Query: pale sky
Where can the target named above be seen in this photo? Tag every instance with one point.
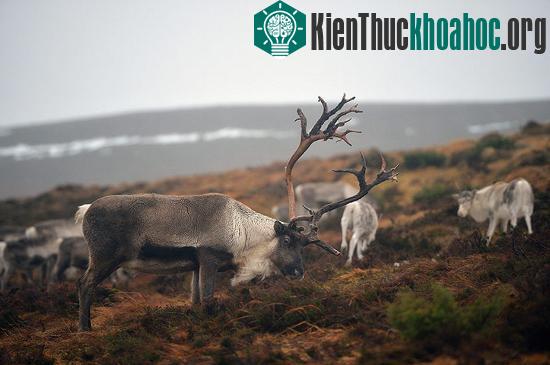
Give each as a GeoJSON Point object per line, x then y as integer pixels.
{"type": "Point", "coordinates": [63, 59]}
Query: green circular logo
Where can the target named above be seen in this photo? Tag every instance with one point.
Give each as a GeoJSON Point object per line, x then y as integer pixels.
{"type": "Point", "coordinates": [279, 29]}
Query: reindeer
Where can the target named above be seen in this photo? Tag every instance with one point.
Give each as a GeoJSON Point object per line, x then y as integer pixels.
{"type": "Point", "coordinates": [206, 233]}
{"type": "Point", "coordinates": [53, 229]}
{"type": "Point", "coordinates": [361, 218]}
{"type": "Point", "coordinates": [72, 260]}
{"type": "Point", "coordinates": [504, 202]}
{"type": "Point", "coordinates": [25, 254]}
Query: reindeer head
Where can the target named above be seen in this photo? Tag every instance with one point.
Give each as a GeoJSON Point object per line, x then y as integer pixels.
{"type": "Point", "coordinates": [295, 236]}
{"type": "Point", "coordinates": [464, 199]}
{"type": "Point", "coordinates": [287, 257]}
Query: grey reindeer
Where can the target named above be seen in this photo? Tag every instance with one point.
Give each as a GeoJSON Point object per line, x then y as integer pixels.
{"type": "Point", "coordinates": [207, 233]}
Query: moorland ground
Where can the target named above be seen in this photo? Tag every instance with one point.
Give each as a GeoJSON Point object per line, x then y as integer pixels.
{"type": "Point", "coordinates": [429, 289]}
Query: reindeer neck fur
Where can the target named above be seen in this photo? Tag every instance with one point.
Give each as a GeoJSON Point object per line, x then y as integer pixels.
{"type": "Point", "coordinates": [479, 210]}
{"type": "Point", "coordinates": [257, 235]}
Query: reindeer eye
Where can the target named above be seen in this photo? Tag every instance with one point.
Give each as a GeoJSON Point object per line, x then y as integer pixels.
{"type": "Point", "coordinates": [286, 240]}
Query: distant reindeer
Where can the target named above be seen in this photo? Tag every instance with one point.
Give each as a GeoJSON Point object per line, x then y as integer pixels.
{"type": "Point", "coordinates": [25, 255]}
{"type": "Point", "coordinates": [37, 248]}
{"type": "Point", "coordinates": [205, 233]}
{"type": "Point", "coordinates": [501, 202]}
{"type": "Point", "coordinates": [54, 228]}
{"type": "Point", "coordinates": [73, 257]}
{"type": "Point", "coordinates": [359, 217]}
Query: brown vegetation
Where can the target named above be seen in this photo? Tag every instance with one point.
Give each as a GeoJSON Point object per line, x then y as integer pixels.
{"type": "Point", "coordinates": [428, 291]}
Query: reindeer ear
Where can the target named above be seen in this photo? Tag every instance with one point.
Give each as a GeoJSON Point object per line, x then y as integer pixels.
{"type": "Point", "coordinates": [456, 196]}
{"type": "Point", "coordinates": [280, 228]}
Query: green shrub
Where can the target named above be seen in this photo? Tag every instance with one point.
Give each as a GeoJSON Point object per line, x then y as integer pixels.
{"type": "Point", "coordinates": [440, 317]}
{"type": "Point", "coordinates": [432, 193]}
{"type": "Point", "coordinates": [474, 157]}
{"type": "Point", "coordinates": [388, 198]}
{"type": "Point", "coordinates": [419, 159]}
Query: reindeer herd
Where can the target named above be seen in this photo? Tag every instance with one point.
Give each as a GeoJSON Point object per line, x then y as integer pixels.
{"type": "Point", "coordinates": [205, 234]}
{"type": "Point", "coordinates": [56, 248]}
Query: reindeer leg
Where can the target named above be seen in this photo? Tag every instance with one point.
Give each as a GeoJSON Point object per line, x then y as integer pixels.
{"type": "Point", "coordinates": [208, 267]}
{"type": "Point", "coordinates": [87, 284]}
{"type": "Point", "coordinates": [195, 289]}
{"type": "Point", "coordinates": [352, 248]}
{"type": "Point", "coordinates": [61, 264]}
{"type": "Point", "coordinates": [344, 227]}
{"type": "Point", "coordinates": [504, 225]}
{"type": "Point", "coordinates": [50, 265]}
{"type": "Point", "coordinates": [492, 226]}
{"type": "Point", "coordinates": [8, 272]}
{"type": "Point", "coordinates": [528, 222]}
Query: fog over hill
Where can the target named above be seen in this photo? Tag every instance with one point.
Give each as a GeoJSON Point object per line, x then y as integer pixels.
{"type": "Point", "coordinates": [152, 145]}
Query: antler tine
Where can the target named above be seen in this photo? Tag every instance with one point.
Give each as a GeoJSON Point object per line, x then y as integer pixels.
{"type": "Point", "coordinates": [309, 210]}
{"type": "Point", "coordinates": [364, 187]}
{"type": "Point", "coordinates": [382, 162]}
{"type": "Point", "coordinates": [334, 125]}
{"type": "Point", "coordinates": [326, 247]}
{"type": "Point", "coordinates": [328, 113]}
{"type": "Point", "coordinates": [306, 139]}
{"type": "Point", "coordinates": [358, 173]}
{"type": "Point", "coordinates": [324, 103]}
{"type": "Point", "coordinates": [303, 123]}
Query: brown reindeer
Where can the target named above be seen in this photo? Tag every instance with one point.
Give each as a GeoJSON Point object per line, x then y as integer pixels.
{"type": "Point", "coordinates": [206, 233]}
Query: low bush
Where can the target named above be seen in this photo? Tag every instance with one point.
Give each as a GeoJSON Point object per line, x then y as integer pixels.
{"type": "Point", "coordinates": [419, 159]}
{"type": "Point", "coordinates": [489, 148]}
{"type": "Point", "coordinates": [535, 128]}
{"type": "Point", "coordinates": [440, 318]}
{"type": "Point", "coordinates": [432, 193]}
{"type": "Point", "coordinates": [388, 198]}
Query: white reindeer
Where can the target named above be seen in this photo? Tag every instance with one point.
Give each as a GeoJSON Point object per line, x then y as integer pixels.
{"type": "Point", "coordinates": [359, 217]}
{"type": "Point", "coordinates": [207, 233]}
{"type": "Point", "coordinates": [501, 202]}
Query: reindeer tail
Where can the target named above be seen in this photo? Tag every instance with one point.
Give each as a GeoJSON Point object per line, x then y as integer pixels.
{"type": "Point", "coordinates": [79, 215]}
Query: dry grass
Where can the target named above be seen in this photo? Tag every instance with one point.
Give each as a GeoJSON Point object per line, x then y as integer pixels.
{"type": "Point", "coordinates": [335, 315]}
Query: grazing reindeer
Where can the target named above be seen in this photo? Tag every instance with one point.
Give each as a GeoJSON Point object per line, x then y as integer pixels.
{"type": "Point", "coordinates": [53, 229]}
{"type": "Point", "coordinates": [504, 202]}
{"type": "Point", "coordinates": [205, 233]}
{"type": "Point", "coordinates": [361, 218]}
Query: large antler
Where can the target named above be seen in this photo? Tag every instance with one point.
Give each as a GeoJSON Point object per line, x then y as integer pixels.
{"type": "Point", "coordinates": [315, 134]}
{"type": "Point", "coordinates": [315, 216]}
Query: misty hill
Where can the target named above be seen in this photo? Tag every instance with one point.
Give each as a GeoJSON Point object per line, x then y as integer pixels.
{"type": "Point", "coordinates": [150, 145]}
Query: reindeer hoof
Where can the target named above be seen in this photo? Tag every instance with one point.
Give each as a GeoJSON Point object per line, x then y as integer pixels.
{"type": "Point", "coordinates": [84, 328]}
{"type": "Point", "coordinates": [210, 307]}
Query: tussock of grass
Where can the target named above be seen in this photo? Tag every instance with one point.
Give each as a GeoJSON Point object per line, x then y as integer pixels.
{"type": "Point", "coordinates": [130, 346]}
{"type": "Point", "coordinates": [489, 148]}
{"type": "Point", "coordinates": [440, 318]}
{"type": "Point", "coordinates": [419, 159]}
{"type": "Point", "coordinates": [433, 193]}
